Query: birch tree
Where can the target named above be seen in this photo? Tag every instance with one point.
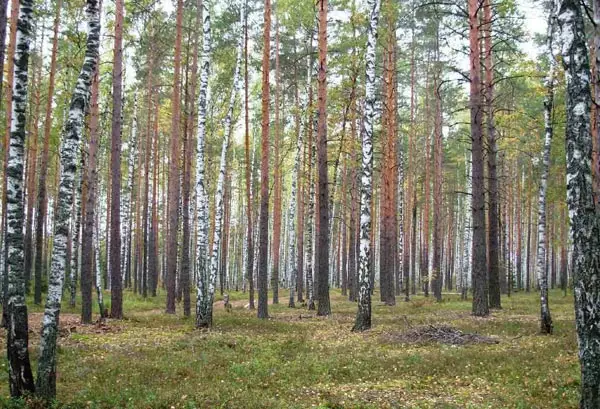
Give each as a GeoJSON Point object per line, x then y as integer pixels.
{"type": "Point", "coordinates": [19, 368]}
{"type": "Point", "coordinates": [585, 222]}
{"type": "Point", "coordinates": [219, 196]}
{"type": "Point", "coordinates": [540, 266]}
{"type": "Point", "coordinates": [70, 141]}
{"type": "Point", "coordinates": [363, 316]}
{"type": "Point", "coordinates": [201, 194]}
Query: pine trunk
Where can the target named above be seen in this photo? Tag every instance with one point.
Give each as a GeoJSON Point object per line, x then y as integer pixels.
{"type": "Point", "coordinates": [479, 256]}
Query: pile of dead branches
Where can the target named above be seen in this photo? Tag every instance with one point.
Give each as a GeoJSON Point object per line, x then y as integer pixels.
{"type": "Point", "coordinates": [443, 334]}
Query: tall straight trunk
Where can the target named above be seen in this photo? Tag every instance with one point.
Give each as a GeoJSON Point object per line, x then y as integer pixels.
{"type": "Point", "coordinates": [224, 250]}
{"type": "Point", "coordinates": [479, 262]}
{"type": "Point", "coordinates": [147, 163]}
{"type": "Point", "coordinates": [311, 197]}
{"type": "Point", "coordinates": [116, 290]}
{"type": "Point", "coordinates": [424, 265]}
{"type": "Point", "coordinates": [174, 182]}
{"type": "Point", "coordinates": [363, 316]}
{"type": "Point", "coordinates": [300, 196]}
{"type": "Point", "coordinates": [78, 196]}
{"type": "Point", "coordinates": [19, 368]}
{"type": "Point", "coordinates": [4, 252]}
{"type": "Point", "coordinates": [292, 268]}
{"type": "Point", "coordinates": [31, 165]}
{"type": "Point", "coordinates": [388, 221]}
{"type": "Point", "coordinates": [595, 110]}
{"type": "Point", "coordinates": [541, 263]}
{"type": "Point", "coordinates": [220, 194]}
{"type": "Point", "coordinates": [585, 222]}
{"type": "Point", "coordinates": [186, 267]}
{"type": "Point", "coordinates": [528, 246]}
{"type": "Point", "coordinates": [201, 193]}
{"type": "Point", "coordinates": [492, 152]}
{"type": "Point", "coordinates": [322, 235]}
{"type": "Point", "coordinates": [131, 146]}
{"type": "Point", "coordinates": [436, 283]}
{"type": "Point", "coordinates": [518, 258]}
{"type": "Point", "coordinates": [70, 141]}
{"type": "Point", "coordinates": [410, 204]}
{"type": "Point", "coordinates": [153, 259]}
{"type": "Point", "coordinates": [263, 240]}
{"type": "Point", "coordinates": [248, 170]}
{"type": "Point", "coordinates": [275, 245]}
{"type": "Point", "coordinates": [91, 181]}
{"type": "Point", "coordinates": [413, 244]}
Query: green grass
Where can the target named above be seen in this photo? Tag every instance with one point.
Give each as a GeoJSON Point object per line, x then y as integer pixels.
{"type": "Point", "coordinates": [296, 360]}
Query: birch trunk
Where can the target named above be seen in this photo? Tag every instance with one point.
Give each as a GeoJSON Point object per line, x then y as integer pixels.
{"type": "Point", "coordinates": [19, 368]}
{"type": "Point", "coordinates": [71, 137]}
{"type": "Point", "coordinates": [541, 265]}
{"type": "Point", "coordinates": [219, 196]}
{"type": "Point", "coordinates": [363, 316]}
{"type": "Point", "coordinates": [585, 223]}
{"type": "Point", "coordinates": [201, 193]}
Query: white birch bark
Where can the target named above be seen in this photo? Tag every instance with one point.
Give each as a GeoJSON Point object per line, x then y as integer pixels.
{"type": "Point", "coordinates": [19, 368]}
{"type": "Point", "coordinates": [540, 266]}
{"type": "Point", "coordinates": [71, 138]}
{"type": "Point", "coordinates": [363, 315]}
{"type": "Point", "coordinates": [201, 193]}
{"type": "Point", "coordinates": [219, 196]}
{"type": "Point", "coordinates": [585, 223]}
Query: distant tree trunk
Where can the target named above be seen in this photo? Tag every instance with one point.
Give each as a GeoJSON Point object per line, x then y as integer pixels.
{"type": "Point", "coordinates": [437, 178]}
{"type": "Point", "coordinates": [116, 290]}
{"type": "Point", "coordinates": [201, 193]}
{"type": "Point", "coordinates": [479, 262]}
{"type": "Point", "coordinates": [363, 316]}
{"type": "Point", "coordinates": [301, 195]}
{"type": "Point", "coordinates": [322, 235]}
{"type": "Point", "coordinates": [131, 146]}
{"type": "Point", "coordinates": [406, 267]}
{"type": "Point", "coordinates": [71, 137]}
{"type": "Point", "coordinates": [275, 245]}
{"type": "Point", "coordinates": [585, 222]}
{"type": "Point", "coordinates": [388, 221]}
{"type": "Point", "coordinates": [468, 235]}
{"type": "Point", "coordinates": [19, 368]}
{"type": "Point", "coordinates": [249, 193]}
{"type": "Point", "coordinates": [32, 153]}
{"type": "Point", "coordinates": [492, 152]}
{"type": "Point", "coordinates": [153, 259]}
{"type": "Point", "coordinates": [263, 240]}
{"type": "Point", "coordinates": [291, 231]}
{"type": "Point", "coordinates": [174, 182]}
{"type": "Point", "coordinates": [541, 264]}
{"type": "Point", "coordinates": [311, 200]}
{"type": "Point", "coordinates": [88, 244]}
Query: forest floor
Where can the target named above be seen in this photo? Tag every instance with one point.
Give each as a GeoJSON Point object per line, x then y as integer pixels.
{"type": "Point", "coordinates": [298, 360]}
